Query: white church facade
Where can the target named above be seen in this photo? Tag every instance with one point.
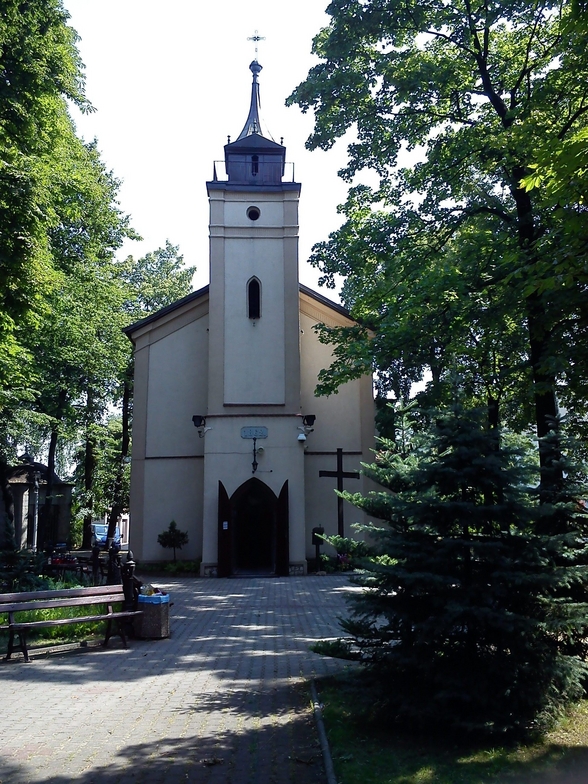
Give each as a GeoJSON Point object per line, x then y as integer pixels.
{"type": "Point", "coordinates": [229, 439]}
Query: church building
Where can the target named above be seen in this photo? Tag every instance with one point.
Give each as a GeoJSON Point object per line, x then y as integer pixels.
{"type": "Point", "coordinates": [229, 439]}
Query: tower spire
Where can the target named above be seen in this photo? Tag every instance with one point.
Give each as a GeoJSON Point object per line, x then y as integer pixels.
{"type": "Point", "coordinates": [254, 123]}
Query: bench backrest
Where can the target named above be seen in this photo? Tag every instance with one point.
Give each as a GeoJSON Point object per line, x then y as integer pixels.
{"type": "Point", "coordinates": [67, 597]}
{"type": "Point", "coordinates": [63, 593]}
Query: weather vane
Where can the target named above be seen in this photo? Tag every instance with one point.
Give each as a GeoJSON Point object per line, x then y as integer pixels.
{"type": "Point", "coordinates": [256, 39]}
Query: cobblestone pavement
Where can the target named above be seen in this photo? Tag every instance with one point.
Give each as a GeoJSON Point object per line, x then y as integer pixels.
{"type": "Point", "coordinates": [224, 700]}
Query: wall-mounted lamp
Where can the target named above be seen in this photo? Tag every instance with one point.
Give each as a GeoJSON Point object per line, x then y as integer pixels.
{"type": "Point", "coordinates": [308, 421]}
{"type": "Point", "coordinates": [200, 425]}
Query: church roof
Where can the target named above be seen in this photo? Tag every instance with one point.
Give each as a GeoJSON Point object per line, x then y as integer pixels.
{"type": "Point", "coordinates": [254, 142]}
{"type": "Point", "coordinates": [195, 295]}
{"type": "Point", "coordinates": [203, 292]}
{"type": "Point", "coordinates": [22, 473]}
{"type": "Point", "coordinates": [324, 300]}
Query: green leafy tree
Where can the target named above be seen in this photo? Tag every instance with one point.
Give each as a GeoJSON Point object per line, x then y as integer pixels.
{"type": "Point", "coordinates": [156, 280]}
{"type": "Point", "coordinates": [65, 363]}
{"type": "Point", "coordinates": [469, 618]}
{"type": "Point", "coordinates": [39, 69]}
{"type": "Point", "coordinates": [77, 348]}
{"type": "Point", "coordinates": [173, 538]}
{"type": "Point", "coordinates": [473, 90]}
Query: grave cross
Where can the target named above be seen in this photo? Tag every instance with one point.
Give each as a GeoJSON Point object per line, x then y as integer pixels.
{"type": "Point", "coordinates": [340, 475]}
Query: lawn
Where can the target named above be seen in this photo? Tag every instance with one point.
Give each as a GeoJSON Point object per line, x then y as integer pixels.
{"type": "Point", "coordinates": [56, 635]}
{"type": "Point", "coordinates": [364, 752]}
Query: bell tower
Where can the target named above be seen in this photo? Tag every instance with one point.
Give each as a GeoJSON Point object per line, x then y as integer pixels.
{"type": "Point", "coordinates": [254, 333]}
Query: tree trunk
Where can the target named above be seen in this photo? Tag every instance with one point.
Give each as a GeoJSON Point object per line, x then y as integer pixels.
{"type": "Point", "coordinates": [7, 525]}
{"type": "Point", "coordinates": [89, 468]}
{"type": "Point", "coordinates": [118, 502]}
{"type": "Point", "coordinates": [46, 513]}
{"type": "Point", "coordinates": [544, 380]}
{"type": "Point", "coordinates": [493, 414]}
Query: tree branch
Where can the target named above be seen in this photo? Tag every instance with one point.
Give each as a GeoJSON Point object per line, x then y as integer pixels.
{"type": "Point", "coordinates": [571, 120]}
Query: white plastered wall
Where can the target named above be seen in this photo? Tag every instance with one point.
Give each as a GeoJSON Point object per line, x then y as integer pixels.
{"type": "Point", "coordinates": [254, 348]}
{"type": "Point", "coordinates": [173, 491]}
{"type": "Point", "coordinates": [343, 421]}
{"type": "Point", "coordinates": [167, 471]}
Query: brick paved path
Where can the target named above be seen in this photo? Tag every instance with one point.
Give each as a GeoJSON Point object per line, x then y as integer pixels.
{"type": "Point", "coordinates": [223, 700]}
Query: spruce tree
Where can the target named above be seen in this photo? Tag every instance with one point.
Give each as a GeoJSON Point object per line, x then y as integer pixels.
{"type": "Point", "coordinates": [469, 619]}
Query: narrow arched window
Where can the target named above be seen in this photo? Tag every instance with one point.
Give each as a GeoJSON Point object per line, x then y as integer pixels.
{"type": "Point", "coordinates": [254, 164]}
{"type": "Point", "coordinates": [253, 299]}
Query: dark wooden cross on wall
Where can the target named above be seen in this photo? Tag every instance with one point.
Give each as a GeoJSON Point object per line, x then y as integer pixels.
{"type": "Point", "coordinates": [340, 475]}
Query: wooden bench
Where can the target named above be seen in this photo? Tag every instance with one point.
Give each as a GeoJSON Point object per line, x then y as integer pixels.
{"type": "Point", "coordinates": [12, 604]}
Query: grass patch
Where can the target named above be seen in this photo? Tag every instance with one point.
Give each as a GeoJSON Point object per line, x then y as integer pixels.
{"type": "Point", "coordinates": [65, 633]}
{"type": "Point", "coordinates": [366, 752]}
{"type": "Point", "coordinates": [69, 632]}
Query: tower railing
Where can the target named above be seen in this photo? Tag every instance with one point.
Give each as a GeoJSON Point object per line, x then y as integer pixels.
{"type": "Point", "coordinates": [262, 173]}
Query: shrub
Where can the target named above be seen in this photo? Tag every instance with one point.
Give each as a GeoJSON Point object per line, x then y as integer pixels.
{"type": "Point", "coordinates": [173, 538]}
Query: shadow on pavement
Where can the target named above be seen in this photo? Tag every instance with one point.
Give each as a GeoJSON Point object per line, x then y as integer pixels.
{"type": "Point", "coordinates": [252, 634]}
{"type": "Point", "coordinates": [267, 736]}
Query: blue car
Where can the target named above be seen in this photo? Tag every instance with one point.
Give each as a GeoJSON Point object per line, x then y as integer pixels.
{"type": "Point", "coordinates": [100, 534]}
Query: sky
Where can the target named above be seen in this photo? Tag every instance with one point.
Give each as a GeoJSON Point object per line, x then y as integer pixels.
{"type": "Point", "coordinates": [170, 81]}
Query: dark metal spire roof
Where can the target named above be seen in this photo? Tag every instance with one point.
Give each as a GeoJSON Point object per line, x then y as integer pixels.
{"type": "Point", "coordinates": [254, 123]}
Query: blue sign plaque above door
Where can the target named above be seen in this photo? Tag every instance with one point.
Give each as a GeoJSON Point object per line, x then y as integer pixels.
{"type": "Point", "coordinates": [254, 432]}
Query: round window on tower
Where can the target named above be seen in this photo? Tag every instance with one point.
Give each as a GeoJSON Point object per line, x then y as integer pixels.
{"type": "Point", "coordinates": [253, 213]}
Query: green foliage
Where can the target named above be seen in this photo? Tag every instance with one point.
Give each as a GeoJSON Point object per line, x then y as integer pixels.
{"type": "Point", "coordinates": [106, 441]}
{"type": "Point", "coordinates": [173, 538]}
{"type": "Point", "coordinates": [65, 633]}
{"type": "Point", "coordinates": [450, 266]}
{"type": "Point", "coordinates": [21, 570]}
{"type": "Point", "coordinates": [40, 69]}
{"type": "Point", "coordinates": [471, 618]}
{"type": "Point", "coordinates": [156, 280]}
{"type": "Point", "coordinates": [562, 170]}
{"type": "Point", "coordinates": [65, 362]}
{"type": "Point", "coordinates": [327, 564]}
{"type": "Point", "coordinates": [182, 567]}
{"type": "Point", "coordinates": [350, 552]}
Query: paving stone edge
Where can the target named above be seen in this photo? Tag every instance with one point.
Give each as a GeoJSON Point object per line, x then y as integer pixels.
{"type": "Point", "coordinates": [324, 741]}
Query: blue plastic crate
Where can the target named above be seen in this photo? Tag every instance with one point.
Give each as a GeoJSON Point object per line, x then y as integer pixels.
{"type": "Point", "coordinates": [156, 598]}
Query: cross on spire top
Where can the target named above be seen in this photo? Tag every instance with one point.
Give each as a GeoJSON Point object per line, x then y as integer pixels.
{"type": "Point", "coordinates": [256, 38]}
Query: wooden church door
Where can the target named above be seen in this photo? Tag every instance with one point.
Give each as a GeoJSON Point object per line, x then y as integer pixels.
{"type": "Point", "coordinates": [283, 533]}
{"type": "Point", "coordinates": [253, 530]}
{"type": "Point", "coordinates": [225, 530]}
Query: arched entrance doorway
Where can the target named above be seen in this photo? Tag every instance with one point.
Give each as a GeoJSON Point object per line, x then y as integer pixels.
{"type": "Point", "coordinates": [253, 530]}
{"type": "Point", "coordinates": [253, 508]}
